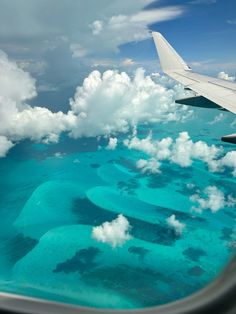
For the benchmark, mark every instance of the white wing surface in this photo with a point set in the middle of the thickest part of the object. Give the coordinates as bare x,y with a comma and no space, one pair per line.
210,92
220,92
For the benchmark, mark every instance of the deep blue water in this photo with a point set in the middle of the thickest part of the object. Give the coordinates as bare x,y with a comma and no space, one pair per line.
49,206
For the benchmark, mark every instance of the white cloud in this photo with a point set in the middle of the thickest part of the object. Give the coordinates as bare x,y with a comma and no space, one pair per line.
18,120
97,27
78,51
119,29
102,27
185,151
175,224
213,199
127,62
5,145
182,151
149,166
218,118
112,143
115,233
225,76
104,104
112,102
15,84
229,161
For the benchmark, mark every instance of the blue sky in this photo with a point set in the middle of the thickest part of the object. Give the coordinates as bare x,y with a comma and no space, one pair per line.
205,34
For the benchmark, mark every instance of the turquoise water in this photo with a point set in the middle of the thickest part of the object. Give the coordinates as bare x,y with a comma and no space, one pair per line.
49,206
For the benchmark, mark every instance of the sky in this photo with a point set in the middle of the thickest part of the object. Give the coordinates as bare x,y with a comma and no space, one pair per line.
60,42
53,55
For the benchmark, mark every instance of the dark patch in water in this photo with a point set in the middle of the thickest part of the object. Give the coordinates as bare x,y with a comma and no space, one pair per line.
17,247
95,166
135,283
127,163
230,213
142,285
155,233
196,271
184,190
138,250
128,186
194,254
83,261
226,234
168,175
90,214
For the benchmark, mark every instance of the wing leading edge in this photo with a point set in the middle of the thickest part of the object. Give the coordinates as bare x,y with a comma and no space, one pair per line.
210,92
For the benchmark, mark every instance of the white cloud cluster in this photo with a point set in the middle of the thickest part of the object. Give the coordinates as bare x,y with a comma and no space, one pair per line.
18,120
225,76
112,143
229,161
181,151
104,104
119,29
175,224
115,233
112,101
102,27
213,199
149,166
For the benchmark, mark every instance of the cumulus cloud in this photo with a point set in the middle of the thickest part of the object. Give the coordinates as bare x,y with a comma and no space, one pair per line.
97,27
181,151
212,199
15,84
114,233
149,166
5,145
105,103
18,120
225,76
112,102
175,224
228,161
112,143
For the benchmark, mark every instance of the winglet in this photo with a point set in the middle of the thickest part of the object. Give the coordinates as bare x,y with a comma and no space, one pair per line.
169,58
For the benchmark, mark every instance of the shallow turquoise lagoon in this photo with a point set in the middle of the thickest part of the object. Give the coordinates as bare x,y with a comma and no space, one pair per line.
50,203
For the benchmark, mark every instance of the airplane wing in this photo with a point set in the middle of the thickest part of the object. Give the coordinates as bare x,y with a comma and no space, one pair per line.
210,92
